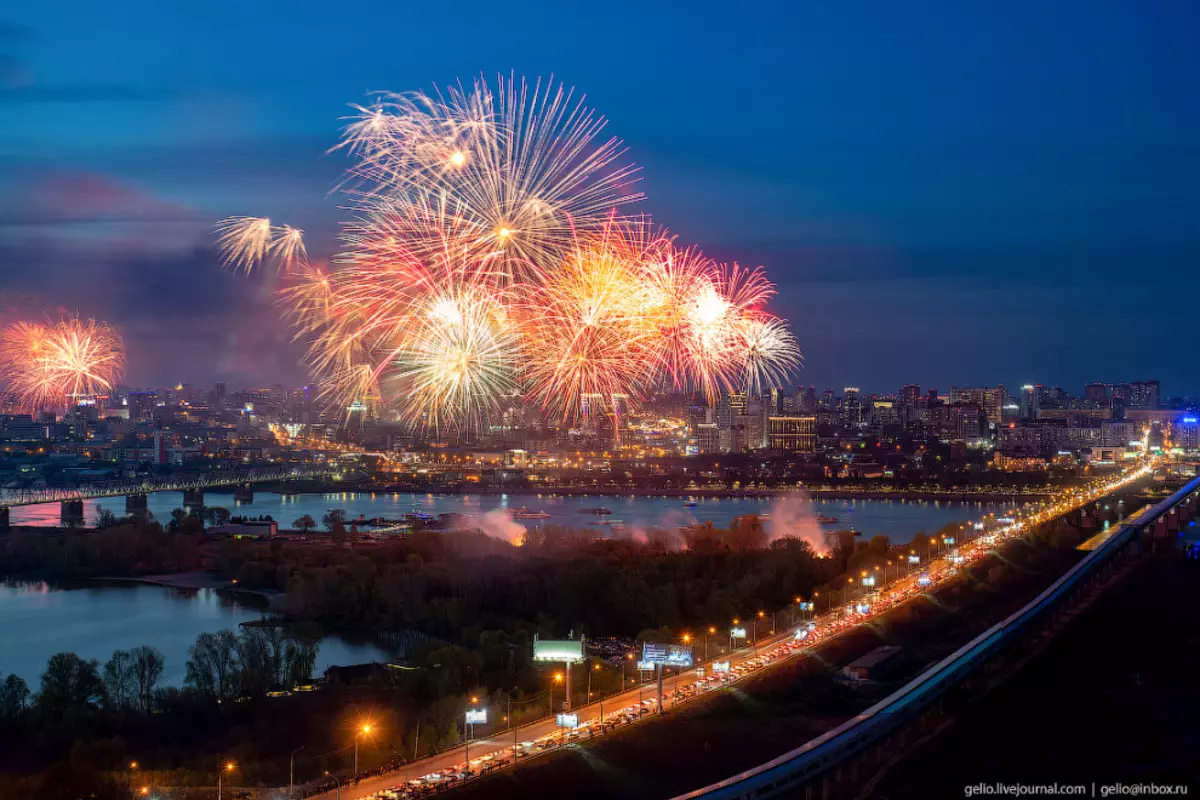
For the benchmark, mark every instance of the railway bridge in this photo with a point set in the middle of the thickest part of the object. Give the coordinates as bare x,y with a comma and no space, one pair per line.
135,492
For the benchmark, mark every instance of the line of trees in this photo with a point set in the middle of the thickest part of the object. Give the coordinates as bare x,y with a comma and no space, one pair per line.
222,666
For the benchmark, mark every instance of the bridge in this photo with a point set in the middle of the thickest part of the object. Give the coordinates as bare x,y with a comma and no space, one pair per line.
810,768
135,492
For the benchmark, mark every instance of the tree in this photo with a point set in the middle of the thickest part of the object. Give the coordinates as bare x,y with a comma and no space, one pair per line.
69,684
216,515
178,518
212,664
148,665
14,694
105,518
305,524
119,678
301,658
335,522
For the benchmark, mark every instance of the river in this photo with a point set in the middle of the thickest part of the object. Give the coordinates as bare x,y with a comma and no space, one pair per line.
38,620
898,519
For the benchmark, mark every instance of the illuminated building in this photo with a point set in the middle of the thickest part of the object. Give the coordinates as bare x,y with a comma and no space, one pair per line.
797,434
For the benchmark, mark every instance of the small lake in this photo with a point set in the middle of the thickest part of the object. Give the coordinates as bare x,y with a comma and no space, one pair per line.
898,519
38,620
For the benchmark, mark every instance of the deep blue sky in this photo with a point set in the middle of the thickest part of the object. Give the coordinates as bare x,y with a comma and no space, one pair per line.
943,191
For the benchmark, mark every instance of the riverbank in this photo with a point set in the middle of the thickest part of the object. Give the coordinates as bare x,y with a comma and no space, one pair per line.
899,495
201,580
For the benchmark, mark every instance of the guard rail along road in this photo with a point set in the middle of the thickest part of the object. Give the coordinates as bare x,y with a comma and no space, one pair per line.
793,770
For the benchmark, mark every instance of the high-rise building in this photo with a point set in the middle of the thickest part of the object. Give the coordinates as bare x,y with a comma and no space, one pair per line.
1096,395
1142,395
796,434
991,400
218,395
851,407
1029,401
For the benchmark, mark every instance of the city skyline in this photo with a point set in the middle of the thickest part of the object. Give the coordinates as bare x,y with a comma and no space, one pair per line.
982,241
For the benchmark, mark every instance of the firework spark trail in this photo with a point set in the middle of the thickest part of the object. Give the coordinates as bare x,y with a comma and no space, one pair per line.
486,255
45,365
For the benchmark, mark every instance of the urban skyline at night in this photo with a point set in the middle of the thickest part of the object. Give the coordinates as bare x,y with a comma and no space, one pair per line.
633,401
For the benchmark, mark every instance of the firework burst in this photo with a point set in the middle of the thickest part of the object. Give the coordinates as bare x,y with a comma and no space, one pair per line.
487,254
47,365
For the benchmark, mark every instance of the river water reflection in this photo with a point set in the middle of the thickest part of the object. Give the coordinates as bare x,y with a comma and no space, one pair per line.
37,621
900,520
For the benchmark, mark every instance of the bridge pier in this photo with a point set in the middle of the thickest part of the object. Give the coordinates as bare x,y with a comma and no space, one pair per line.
72,513
3,519
136,504
244,493
193,498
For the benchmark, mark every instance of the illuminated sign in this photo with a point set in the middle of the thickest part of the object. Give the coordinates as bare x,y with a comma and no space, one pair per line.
720,666
924,580
978,526
914,559
567,720
1191,420
670,655
949,540
801,634
869,580
737,633
476,716
862,608
567,650
1005,520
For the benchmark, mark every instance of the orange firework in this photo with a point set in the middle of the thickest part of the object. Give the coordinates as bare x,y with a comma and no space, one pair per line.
46,365
487,256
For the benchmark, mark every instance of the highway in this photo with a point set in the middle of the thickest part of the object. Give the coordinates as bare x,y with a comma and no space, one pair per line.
503,748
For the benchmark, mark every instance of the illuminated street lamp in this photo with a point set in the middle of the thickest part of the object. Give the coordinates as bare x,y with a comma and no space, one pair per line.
365,730
558,678
711,630
229,767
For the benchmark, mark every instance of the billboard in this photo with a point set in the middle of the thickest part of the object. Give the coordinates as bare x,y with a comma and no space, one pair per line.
567,720
869,580
669,655
568,650
737,633
477,716
914,559
801,634
720,666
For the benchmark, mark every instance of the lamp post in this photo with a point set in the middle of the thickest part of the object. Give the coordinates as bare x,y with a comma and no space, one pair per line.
711,630
292,769
595,668
133,765
365,730
229,767
558,676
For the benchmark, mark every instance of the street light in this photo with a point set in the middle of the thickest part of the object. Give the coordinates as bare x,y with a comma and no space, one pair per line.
365,730
229,767
558,678
292,769
711,630
595,668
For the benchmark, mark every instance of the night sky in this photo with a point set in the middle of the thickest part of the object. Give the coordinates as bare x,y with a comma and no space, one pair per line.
945,192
